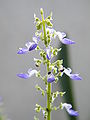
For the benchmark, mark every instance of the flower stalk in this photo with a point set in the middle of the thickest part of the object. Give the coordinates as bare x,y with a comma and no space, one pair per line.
46,34
49,84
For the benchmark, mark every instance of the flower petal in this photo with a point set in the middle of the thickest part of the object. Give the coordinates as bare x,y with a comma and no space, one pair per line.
48,56
33,46
22,51
75,77
72,112
48,51
67,41
32,72
36,39
67,71
60,36
63,34
51,78
67,106
69,109
21,75
28,44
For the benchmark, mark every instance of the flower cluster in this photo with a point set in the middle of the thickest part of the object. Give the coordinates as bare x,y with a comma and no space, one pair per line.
46,34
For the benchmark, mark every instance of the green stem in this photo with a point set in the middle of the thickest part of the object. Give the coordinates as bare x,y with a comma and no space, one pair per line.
49,84
48,102
44,29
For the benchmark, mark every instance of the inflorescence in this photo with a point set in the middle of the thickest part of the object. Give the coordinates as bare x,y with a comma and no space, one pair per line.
46,34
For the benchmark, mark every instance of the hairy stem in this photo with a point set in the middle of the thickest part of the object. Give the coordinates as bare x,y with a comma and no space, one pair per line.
49,84
44,29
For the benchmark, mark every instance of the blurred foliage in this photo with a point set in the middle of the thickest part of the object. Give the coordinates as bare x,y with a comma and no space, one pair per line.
65,82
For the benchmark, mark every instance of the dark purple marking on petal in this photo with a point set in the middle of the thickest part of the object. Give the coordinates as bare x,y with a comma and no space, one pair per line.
33,46
67,41
51,79
75,77
48,56
22,51
24,76
72,112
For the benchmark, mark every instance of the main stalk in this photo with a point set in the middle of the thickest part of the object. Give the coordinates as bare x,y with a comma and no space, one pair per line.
49,84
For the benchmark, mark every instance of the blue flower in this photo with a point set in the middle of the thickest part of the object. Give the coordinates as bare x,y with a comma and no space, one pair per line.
72,76
28,74
29,46
48,53
50,78
69,109
61,36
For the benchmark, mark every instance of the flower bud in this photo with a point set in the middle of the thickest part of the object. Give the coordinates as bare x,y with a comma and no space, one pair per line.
41,11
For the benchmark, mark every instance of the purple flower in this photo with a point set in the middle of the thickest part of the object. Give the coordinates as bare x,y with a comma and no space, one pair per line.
48,53
61,36
72,76
27,75
69,109
51,78
29,46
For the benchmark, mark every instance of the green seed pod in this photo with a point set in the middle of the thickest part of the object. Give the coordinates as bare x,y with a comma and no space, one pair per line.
39,25
48,23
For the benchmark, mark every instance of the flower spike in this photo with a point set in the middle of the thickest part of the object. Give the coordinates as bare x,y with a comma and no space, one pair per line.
54,69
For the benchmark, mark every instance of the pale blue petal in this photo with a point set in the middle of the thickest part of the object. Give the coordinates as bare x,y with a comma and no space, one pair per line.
22,51
75,77
36,39
72,112
67,71
32,72
24,76
28,44
63,34
67,41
